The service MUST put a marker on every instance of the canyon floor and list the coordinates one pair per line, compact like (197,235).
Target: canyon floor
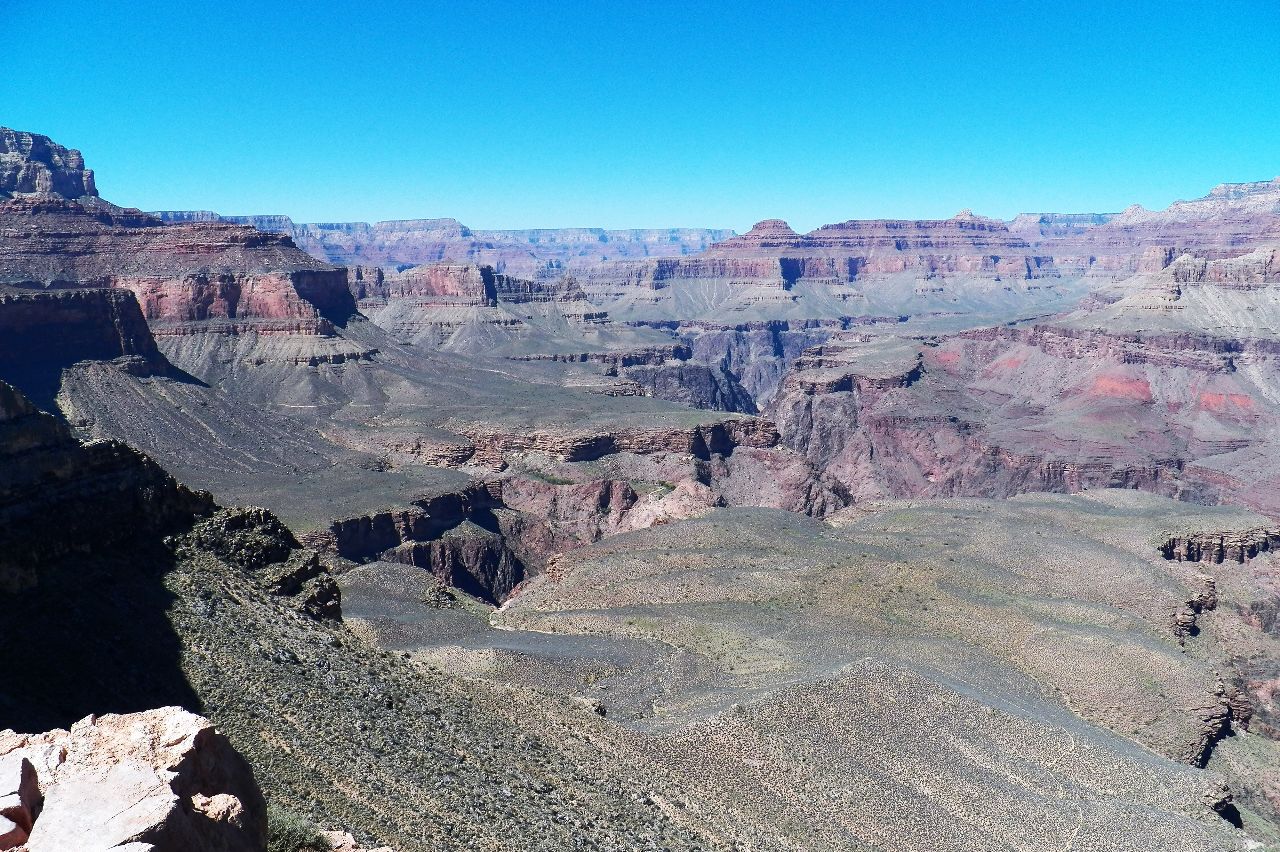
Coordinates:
(931,535)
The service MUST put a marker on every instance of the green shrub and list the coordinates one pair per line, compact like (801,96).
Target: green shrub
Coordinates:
(288,832)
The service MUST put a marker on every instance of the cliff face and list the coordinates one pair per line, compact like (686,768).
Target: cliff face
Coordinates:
(1161,385)
(1037,259)
(849,251)
(231,277)
(522,253)
(202,274)
(60,497)
(1231,220)
(209,291)
(36,165)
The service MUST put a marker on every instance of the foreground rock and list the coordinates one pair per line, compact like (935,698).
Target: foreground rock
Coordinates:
(159,781)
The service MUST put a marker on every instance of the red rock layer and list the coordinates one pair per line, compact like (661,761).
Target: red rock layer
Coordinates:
(224,278)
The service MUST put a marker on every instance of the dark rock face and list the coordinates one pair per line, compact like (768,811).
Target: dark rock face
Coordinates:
(255,541)
(758,354)
(697,385)
(59,497)
(1218,547)
(467,557)
(41,333)
(457,537)
(36,165)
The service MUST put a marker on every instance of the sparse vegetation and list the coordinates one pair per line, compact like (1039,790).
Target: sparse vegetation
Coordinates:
(288,832)
(548,478)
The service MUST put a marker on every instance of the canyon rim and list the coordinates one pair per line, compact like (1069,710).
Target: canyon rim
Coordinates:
(493,427)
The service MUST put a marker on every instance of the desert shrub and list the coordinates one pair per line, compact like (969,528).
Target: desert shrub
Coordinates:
(288,832)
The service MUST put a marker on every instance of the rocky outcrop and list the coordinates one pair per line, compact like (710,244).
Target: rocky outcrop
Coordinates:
(696,385)
(589,511)
(366,537)
(59,497)
(617,359)
(1205,598)
(468,557)
(659,273)
(1215,716)
(341,841)
(663,372)
(966,250)
(1218,547)
(256,542)
(520,291)
(492,447)
(457,536)
(759,354)
(159,781)
(31,164)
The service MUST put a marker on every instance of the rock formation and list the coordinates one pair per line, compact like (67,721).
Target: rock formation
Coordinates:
(411,242)
(31,164)
(1159,383)
(161,781)
(59,497)
(230,277)
(518,425)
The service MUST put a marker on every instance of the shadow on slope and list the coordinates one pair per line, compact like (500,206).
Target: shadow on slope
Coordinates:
(92,637)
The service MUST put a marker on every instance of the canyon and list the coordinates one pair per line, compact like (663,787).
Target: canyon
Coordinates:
(585,537)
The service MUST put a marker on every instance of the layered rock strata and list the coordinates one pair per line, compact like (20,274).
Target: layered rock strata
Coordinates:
(1159,384)
(31,164)
(523,253)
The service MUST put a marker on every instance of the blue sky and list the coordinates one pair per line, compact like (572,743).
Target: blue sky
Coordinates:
(649,114)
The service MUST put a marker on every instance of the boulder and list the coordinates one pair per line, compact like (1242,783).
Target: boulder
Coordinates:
(159,781)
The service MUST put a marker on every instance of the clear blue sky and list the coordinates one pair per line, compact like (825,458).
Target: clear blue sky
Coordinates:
(649,113)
